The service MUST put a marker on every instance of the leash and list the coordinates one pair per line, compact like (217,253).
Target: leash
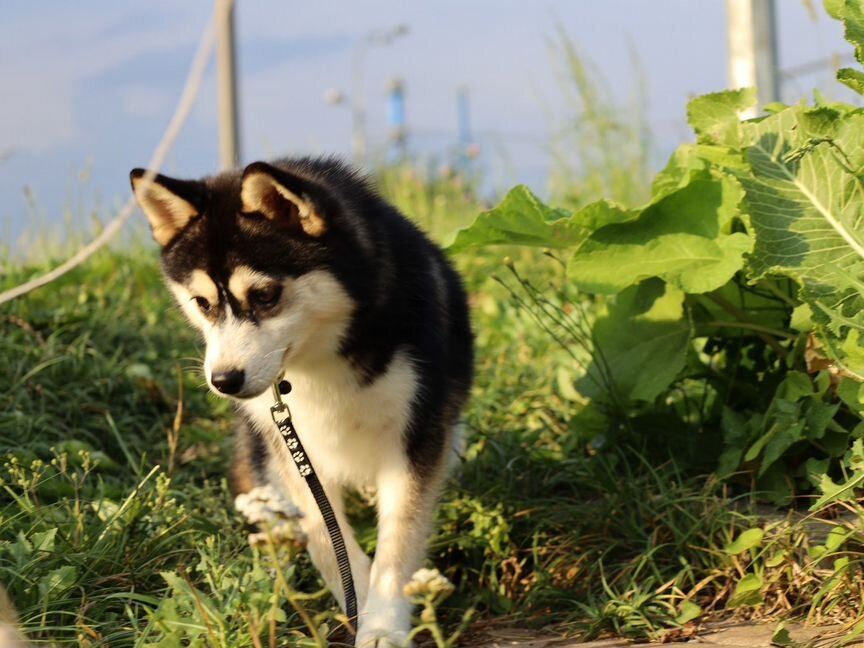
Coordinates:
(282,418)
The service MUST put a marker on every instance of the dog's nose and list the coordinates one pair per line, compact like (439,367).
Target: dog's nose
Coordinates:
(228,382)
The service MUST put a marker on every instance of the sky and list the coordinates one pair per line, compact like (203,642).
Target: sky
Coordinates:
(89,87)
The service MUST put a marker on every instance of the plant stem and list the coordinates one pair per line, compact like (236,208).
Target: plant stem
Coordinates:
(743,318)
(289,594)
(751,327)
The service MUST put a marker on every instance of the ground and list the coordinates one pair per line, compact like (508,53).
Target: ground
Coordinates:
(723,635)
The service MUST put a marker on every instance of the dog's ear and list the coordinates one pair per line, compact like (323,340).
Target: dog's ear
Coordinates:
(283,197)
(169,204)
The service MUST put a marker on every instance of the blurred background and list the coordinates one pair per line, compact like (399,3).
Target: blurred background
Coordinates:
(502,91)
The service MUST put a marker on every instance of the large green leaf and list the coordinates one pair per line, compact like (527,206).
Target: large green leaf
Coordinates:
(640,345)
(852,14)
(804,196)
(685,238)
(852,78)
(835,8)
(522,219)
(714,116)
(689,158)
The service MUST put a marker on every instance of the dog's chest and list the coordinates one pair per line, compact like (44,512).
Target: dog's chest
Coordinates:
(349,431)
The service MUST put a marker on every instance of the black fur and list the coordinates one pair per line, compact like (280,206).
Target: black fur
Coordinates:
(384,261)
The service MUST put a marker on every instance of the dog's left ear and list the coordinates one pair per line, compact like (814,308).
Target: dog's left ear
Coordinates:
(282,197)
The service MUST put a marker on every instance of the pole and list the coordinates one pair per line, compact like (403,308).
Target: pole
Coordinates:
(752,38)
(229,140)
(358,106)
(396,117)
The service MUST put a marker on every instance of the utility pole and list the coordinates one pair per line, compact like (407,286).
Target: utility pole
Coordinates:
(752,37)
(226,59)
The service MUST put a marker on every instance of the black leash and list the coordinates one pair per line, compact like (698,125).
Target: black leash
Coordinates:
(282,418)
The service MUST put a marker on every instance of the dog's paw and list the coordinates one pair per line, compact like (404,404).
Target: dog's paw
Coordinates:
(381,638)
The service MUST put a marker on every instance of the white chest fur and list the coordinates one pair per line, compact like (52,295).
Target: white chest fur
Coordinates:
(350,431)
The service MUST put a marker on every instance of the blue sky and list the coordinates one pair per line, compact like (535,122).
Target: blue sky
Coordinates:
(88,87)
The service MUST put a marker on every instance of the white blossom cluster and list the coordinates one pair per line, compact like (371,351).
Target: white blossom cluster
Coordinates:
(274,514)
(428,583)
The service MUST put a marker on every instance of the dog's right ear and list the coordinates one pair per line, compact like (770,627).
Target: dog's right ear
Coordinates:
(169,204)
(282,197)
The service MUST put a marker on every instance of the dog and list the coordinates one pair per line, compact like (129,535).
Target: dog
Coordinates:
(299,267)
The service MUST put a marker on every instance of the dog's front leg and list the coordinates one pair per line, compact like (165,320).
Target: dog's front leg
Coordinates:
(405,510)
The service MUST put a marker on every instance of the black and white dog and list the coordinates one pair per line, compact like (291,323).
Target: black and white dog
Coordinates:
(300,267)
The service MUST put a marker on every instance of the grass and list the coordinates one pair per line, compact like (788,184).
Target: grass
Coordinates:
(601,148)
(116,526)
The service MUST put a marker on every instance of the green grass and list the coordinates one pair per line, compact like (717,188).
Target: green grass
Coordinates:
(115,518)
(117,527)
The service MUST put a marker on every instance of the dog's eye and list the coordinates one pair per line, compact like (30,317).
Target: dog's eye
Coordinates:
(265,297)
(203,304)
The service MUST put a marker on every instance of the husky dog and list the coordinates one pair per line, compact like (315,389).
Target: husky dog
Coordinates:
(299,266)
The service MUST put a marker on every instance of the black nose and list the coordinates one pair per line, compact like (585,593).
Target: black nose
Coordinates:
(228,382)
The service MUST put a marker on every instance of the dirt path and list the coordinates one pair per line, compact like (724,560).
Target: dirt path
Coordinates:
(725,635)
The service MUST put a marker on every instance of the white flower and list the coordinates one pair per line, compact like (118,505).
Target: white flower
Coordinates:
(265,504)
(274,514)
(428,583)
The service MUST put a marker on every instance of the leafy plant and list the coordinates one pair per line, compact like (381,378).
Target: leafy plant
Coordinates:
(746,262)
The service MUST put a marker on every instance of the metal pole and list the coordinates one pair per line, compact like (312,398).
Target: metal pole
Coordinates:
(229,140)
(396,117)
(358,106)
(752,39)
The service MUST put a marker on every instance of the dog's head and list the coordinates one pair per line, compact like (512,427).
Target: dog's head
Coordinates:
(250,259)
